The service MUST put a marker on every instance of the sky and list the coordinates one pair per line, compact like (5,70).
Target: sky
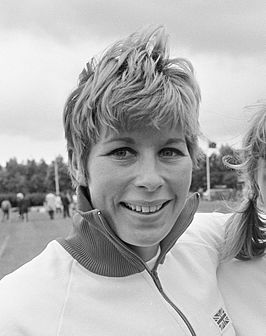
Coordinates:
(44,45)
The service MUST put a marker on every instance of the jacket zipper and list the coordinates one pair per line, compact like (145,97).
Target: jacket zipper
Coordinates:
(156,280)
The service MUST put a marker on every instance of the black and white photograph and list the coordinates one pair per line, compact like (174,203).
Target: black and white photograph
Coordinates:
(132,168)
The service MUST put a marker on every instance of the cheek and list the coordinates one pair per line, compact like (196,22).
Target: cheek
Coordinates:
(180,179)
(97,183)
(104,184)
(185,173)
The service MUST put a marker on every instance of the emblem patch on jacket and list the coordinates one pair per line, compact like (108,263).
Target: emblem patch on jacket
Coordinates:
(221,319)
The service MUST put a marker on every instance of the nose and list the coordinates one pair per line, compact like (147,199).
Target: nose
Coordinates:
(148,175)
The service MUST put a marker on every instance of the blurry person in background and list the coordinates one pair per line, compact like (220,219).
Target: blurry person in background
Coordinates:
(58,204)
(23,206)
(132,130)
(65,199)
(242,279)
(50,204)
(6,208)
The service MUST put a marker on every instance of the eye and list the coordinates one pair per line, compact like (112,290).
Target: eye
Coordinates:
(171,152)
(122,153)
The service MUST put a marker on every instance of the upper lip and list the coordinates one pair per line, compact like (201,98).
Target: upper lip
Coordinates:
(143,203)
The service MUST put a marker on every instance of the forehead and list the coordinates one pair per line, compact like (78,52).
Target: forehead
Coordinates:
(153,134)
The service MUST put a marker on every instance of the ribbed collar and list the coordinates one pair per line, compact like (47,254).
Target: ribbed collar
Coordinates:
(97,248)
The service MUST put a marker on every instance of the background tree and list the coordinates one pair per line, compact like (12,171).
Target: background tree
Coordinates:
(64,178)
(15,177)
(219,173)
(34,179)
(36,174)
(199,178)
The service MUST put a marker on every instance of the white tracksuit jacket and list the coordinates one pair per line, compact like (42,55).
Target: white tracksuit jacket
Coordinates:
(92,284)
(243,285)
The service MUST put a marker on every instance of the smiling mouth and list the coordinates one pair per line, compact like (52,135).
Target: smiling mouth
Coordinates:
(146,210)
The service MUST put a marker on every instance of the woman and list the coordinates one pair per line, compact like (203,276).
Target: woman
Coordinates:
(132,129)
(242,280)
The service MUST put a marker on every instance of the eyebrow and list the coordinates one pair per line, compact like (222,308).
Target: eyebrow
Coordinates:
(122,139)
(175,141)
(170,141)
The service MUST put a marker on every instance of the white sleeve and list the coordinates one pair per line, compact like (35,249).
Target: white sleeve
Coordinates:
(207,229)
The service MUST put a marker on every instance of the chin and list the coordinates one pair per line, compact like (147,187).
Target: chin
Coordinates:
(147,241)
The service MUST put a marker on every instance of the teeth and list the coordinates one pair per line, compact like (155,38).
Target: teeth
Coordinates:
(144,209)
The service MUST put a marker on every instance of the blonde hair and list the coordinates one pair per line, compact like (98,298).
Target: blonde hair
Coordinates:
(134,83)
(245,229)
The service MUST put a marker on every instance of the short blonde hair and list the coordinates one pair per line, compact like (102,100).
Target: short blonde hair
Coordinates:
(135,83)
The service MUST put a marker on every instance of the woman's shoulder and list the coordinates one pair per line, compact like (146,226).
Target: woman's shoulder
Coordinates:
(252,267)
(35,284)
(209,221)
(52,262)
(207,228)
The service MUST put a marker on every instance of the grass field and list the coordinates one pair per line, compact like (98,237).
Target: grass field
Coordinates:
(21,241)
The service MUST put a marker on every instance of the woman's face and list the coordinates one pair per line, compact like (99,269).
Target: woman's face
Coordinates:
(261,173)
(140,181)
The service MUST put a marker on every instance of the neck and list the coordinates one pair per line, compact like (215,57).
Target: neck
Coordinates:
(145,253)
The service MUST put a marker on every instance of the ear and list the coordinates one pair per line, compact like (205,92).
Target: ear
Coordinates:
(76,170)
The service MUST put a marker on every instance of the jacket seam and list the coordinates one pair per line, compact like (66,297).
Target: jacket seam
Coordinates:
(62,312)
(189,242)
